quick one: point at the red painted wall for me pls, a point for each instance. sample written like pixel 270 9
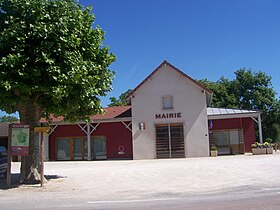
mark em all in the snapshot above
pixel 116 135
pixel 249 133
pixel 247 124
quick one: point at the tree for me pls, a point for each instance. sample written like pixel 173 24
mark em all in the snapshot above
pixel 249 90
pixel 52 61
pixel 254 91
pixel 273 122
pixel 222 93
pixel 8 119
pixel 121 100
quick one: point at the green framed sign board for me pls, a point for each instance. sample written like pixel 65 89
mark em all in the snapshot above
pixel 20 140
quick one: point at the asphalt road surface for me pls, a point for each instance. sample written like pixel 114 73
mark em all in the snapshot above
pixel 227 182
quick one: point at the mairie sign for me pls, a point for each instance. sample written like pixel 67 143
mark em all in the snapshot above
pixel 168 115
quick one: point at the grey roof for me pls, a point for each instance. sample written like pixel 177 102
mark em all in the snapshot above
pixel 225 111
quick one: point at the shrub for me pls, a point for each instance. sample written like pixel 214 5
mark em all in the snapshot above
pixel 268 140
pixel 213 148
pixel 257 145
pixel 266 145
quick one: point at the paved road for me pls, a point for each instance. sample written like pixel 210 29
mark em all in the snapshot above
pixel 228 182
pixel 266 199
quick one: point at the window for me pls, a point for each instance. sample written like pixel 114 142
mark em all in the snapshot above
pixel 167 102
pixel 228 141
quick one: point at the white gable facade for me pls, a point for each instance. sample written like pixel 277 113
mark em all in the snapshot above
pixel 169 112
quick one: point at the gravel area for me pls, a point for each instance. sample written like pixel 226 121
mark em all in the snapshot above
pixel 142 179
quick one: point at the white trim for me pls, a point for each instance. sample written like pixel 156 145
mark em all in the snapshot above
pixel 88 141
pixel 231 116
pixel 94 127
pixel 88 132
pixel 83 128
pixel 52 129
pixel 260 128
pixel 259 121
pixel 127 125
pixel 94 121
pixel 255 120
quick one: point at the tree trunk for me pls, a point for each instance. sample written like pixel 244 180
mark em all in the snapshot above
pixel 30 165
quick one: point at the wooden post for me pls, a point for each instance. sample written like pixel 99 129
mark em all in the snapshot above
pixel 9 158
pixel 42 131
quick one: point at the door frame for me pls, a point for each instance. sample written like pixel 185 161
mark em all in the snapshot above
pixel 170 137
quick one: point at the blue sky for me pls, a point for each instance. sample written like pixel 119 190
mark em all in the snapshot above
pixel 203 38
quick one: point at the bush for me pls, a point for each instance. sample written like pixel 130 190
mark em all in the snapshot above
pixel 257 145
pixel 268 140
pixel 213 148
pixel 266 145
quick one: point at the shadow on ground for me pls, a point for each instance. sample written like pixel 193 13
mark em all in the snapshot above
pixel 15 180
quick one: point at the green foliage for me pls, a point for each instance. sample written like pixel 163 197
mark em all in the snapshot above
pixel 259 145
pixel 249 90
pixel 266 145
pixel 275 131
pixel 254 90
pixel 223 96
pixel 51 55
pixel 213 148
pixel 268 140
pixel 121 101
pixel 8 118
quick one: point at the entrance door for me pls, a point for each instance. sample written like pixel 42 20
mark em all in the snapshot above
pixel 63 149
pixel 78 148
pixel 222 142
pixel 170 141
pixel 98 148
pixel 70 148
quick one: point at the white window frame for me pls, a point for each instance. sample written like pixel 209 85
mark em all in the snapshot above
pixel 169 104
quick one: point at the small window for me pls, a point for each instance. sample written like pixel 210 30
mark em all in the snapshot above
pixel 167 102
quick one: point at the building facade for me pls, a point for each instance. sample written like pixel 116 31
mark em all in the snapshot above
pixel 169 117
pixel 173 109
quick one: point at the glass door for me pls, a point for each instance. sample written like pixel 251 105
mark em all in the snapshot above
pixel 63 149
pixel 237 146
pixel 98 148
pixel 221 139
pixel 78 148
pixel 70 148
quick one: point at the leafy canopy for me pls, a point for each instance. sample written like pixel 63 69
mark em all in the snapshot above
pixel 51 55
pixel 121 101
pixel 8 118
